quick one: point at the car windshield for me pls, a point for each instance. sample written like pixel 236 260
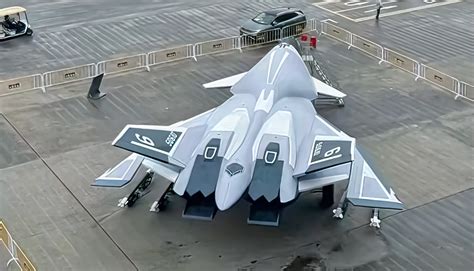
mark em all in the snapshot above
pixel 264 18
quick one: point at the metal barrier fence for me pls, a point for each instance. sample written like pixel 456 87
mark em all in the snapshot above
pixel 295 29
pixel 216 46
pixel 438 78
pixel 122 64
pixel 367 46
pixel 402 62
pixel 21 84
pixel 313 25
pixel 461 89
pixel 139 61
pixel 172 54
pixel 69 75
pixel 17 255
pixel 336 32
pixel 260 38
pixel 466 90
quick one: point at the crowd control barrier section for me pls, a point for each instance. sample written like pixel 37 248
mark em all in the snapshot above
pixel 17 255
pixel 122 64
pixel 260 38
pixel 69 75
pixel 21 84
pixel 402 62
pixel 172 54
pixel 466 90
pixel 336 32
pixel 438 78
pixel 312 25
pixel 295 29
pixel 367 46
pixel 216 46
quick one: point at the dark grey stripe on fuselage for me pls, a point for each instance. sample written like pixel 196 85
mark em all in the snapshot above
pixel 205 172
pixel 266 177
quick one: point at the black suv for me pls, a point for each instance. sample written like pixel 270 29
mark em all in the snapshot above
pixel 274 19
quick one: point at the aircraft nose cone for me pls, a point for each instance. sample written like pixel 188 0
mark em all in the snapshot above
pixel 222 192
pixel 230 189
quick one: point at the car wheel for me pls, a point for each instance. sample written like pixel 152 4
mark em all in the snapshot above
pixel 29 32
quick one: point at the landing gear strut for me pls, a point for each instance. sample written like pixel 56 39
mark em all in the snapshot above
pixel 341 209
pixel 328 196
pixel 375 221
pixel 163 200
pixel 340 102
pixel 138 191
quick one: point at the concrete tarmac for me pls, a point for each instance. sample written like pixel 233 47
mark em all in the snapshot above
pixel 53 145
pixel 415 135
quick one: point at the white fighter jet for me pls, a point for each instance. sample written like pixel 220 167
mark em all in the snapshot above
pixel 265 144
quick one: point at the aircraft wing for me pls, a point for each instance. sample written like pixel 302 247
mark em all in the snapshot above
pixel 165 149
pixel 328 156
pixel 327 90
pixel 365 188
pixel 225 82
pixel 125 171
pixel 320 87
pixel 121 174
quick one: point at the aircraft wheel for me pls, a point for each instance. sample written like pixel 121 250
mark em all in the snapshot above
pixel 162 206
pixel 340 103
pixel 145 184
pixel 132 199
pixel 328 196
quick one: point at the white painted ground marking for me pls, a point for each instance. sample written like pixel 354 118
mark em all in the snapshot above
pixel 350 4
pixel 331 11
pixel 388 7
pixel 386 14
pixel 329 20
pixel 406 10
pixel 349 9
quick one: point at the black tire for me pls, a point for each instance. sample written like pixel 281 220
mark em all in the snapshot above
pixel 132 200
pixel 328 196
pixel 164 203
pixel 340 103
pixel 145 184
pixel 29 32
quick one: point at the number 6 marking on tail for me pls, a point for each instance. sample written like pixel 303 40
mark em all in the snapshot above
pixel 331 152
pixel 145 140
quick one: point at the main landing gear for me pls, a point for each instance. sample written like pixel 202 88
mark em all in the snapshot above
pixel 375 221
pixel 140 190
pixel 341 209
pixel 143 187
pixel 162 201
pixel 328 196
